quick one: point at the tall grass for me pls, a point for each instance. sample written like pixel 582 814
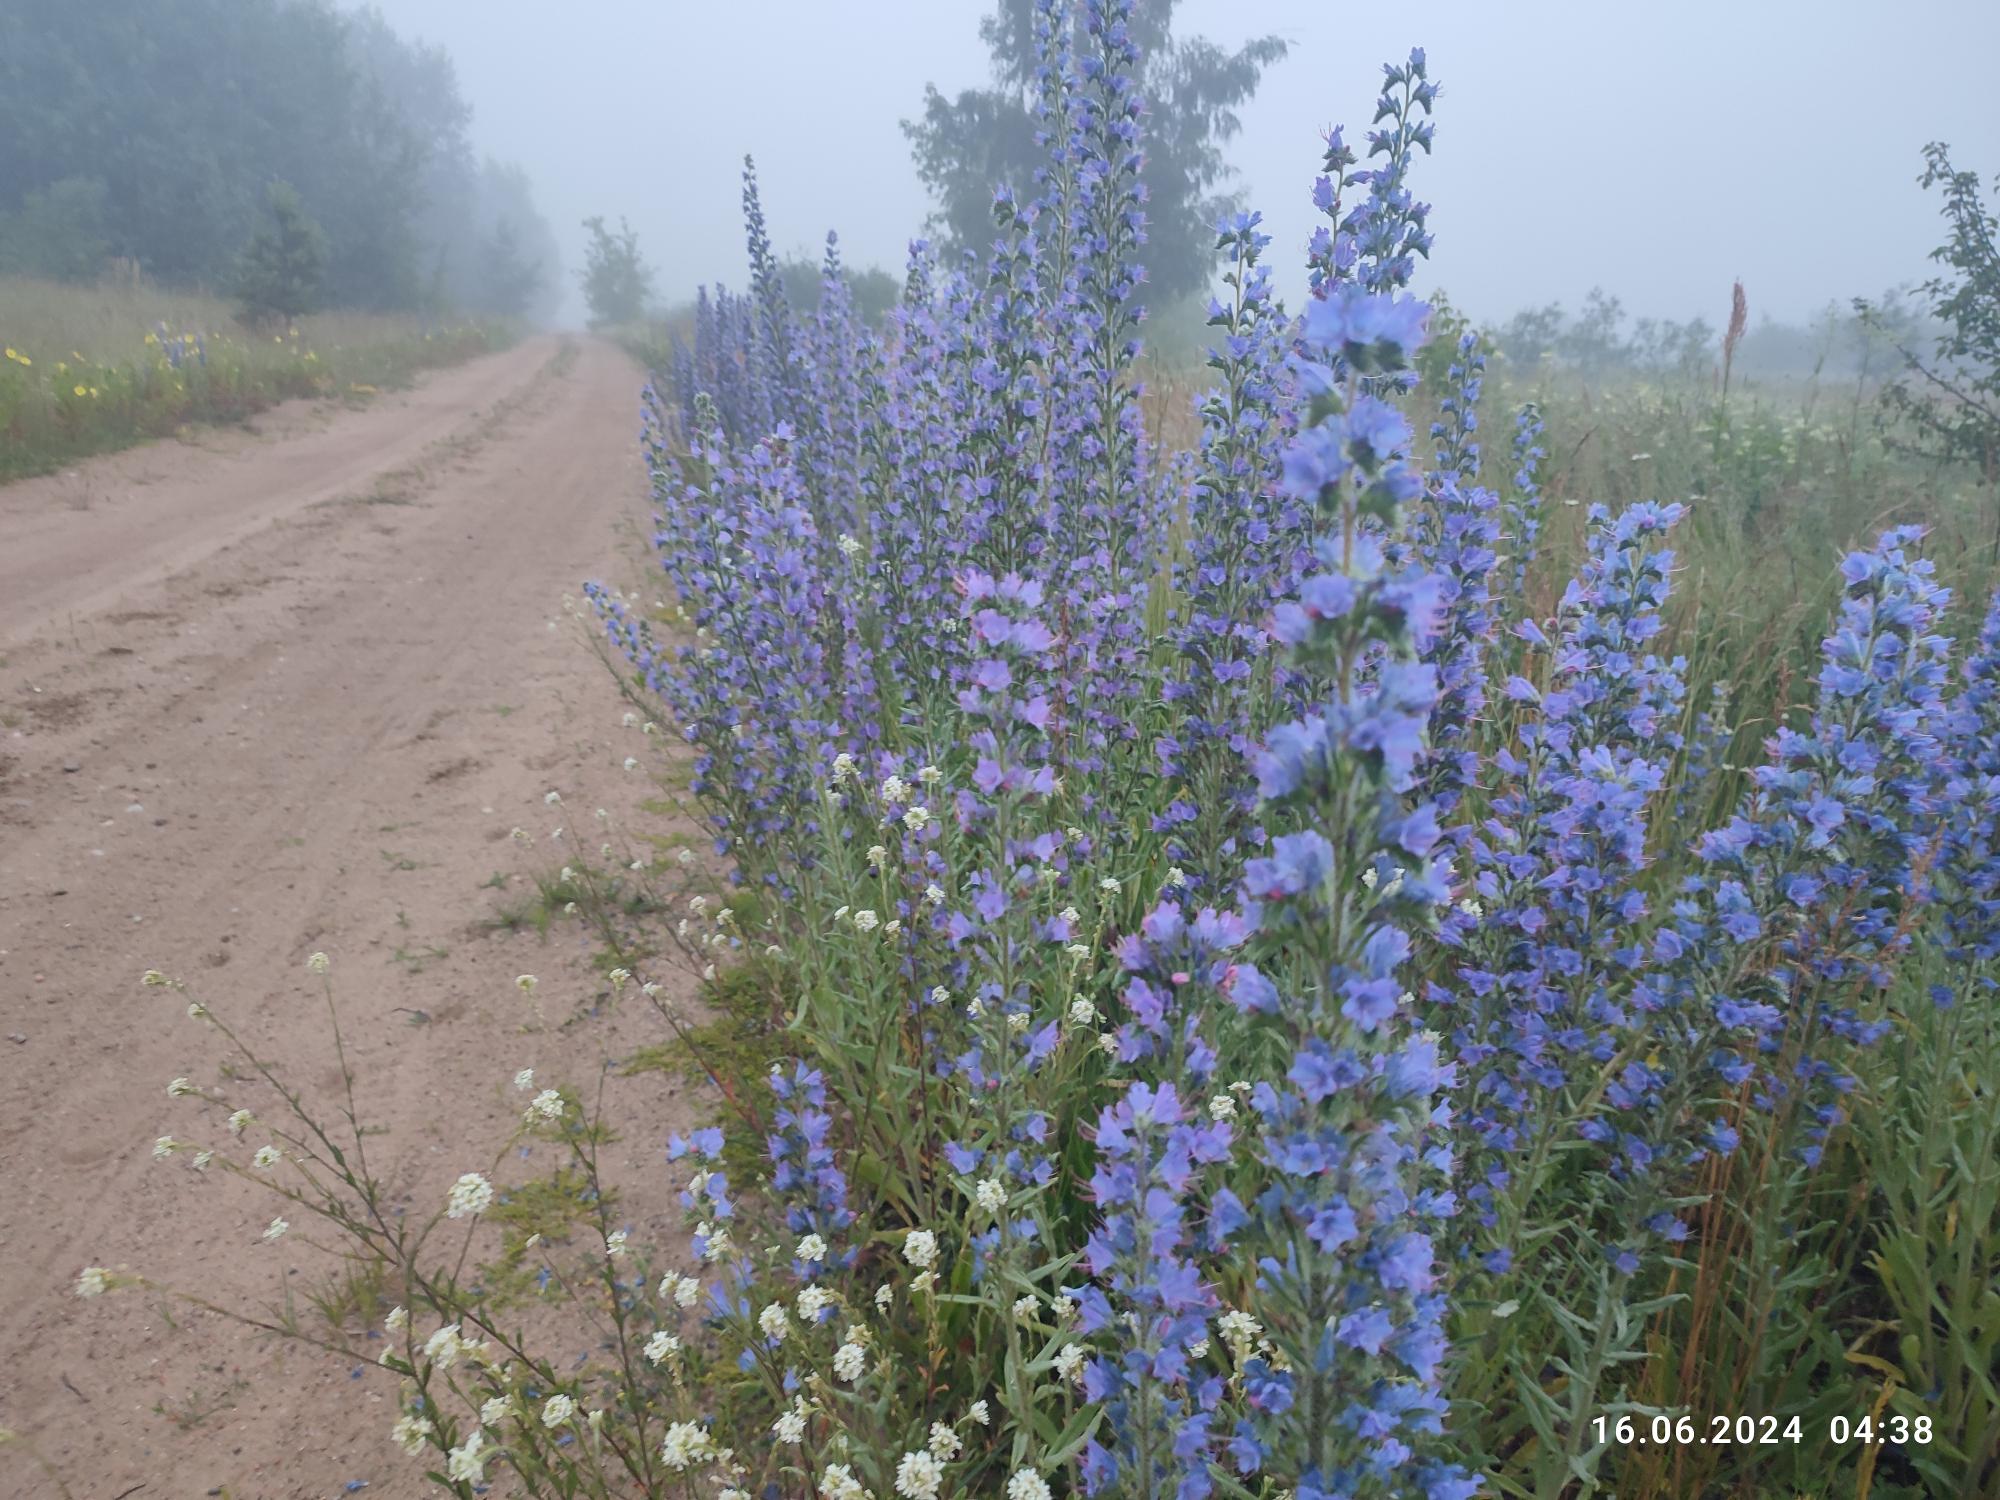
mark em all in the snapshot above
pixel 91 369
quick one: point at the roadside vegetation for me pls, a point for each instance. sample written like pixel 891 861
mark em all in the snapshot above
pixel 92 369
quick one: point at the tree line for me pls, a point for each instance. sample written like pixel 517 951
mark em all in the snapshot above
pixel 207 142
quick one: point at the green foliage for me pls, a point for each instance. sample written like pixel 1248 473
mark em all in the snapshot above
pixel 283 269
pixel 58 232
pixel 1193 89
pixel 616 279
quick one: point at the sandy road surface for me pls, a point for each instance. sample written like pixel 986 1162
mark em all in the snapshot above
pixel 262 695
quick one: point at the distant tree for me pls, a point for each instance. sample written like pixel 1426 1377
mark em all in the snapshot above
pixel 508 280
pixel 1950 396
pixel 616 280
pixel 1532 334
pixel 57 232
pixel 965 147
pixel 283 268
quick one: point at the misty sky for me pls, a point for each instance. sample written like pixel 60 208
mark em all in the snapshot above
pixel 1658 150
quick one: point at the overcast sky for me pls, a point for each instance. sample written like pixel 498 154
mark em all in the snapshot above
pixel 1658 150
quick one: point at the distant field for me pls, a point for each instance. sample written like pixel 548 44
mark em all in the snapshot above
pixel 90 369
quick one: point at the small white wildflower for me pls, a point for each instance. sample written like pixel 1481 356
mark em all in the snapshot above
pixel 944 1442
pixel 1026 1307
pixel 920 1248
pixel 849 1360
pixel 811 1248
pixel 1239 1330
pixel 791 1425
pixel 521 836
pixel 1081 1012
pixel 774 1322
pixel 154 979
pixel 1064 1308
pixel 1107 1043
pixel 843 767
pixel 866 921
pixel 397 1321
pixel 1070 915
pixel 884 1295
pixel 891 927
pixel 553 799
pixel 934 894
pixel 1110 885
pixel 466 1464
pixel 614 1243
pixel 1222 1107
pixel 319 963
pixel 547 1105
pixel 916 819
pixel 975 1007
pixel 93 1281
pixel 180 1088
pixel 494 1410
pixel 631 764
pixel 1069 1361
pixel 1176 876
pixel 470 1196
pixel 409 1434
pixel 849 547
pixel 526 983
pixel 1472 908
pixel 203 1159
pixel 977 1412
pixel 1026 1484
pixel 1017 1021
pixel 895 789
pixel 1369 878
pixel 277 1229
pixel 839 1483
pixel 708 971
pixel 929 775
pixel 268 1157
pixel 444 1347
pixel 939 994
pixel 631 720
pixel 923 1281
pixel 686 1444
pixel 1198 1349
pixel 661 1346
pixel 525 1079
pixel 990 1194
pixel 1078 950
pixel 197 1011
pixel 812 1301
pixel 919 1476
pixel 557 1410
pixel 166 1146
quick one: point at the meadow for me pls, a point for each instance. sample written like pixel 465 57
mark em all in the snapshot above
pixel 89 369
pixel 1423 931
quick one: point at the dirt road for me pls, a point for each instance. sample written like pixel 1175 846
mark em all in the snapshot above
pixel 263 695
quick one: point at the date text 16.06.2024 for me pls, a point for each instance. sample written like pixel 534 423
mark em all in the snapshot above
pixel 1661 1430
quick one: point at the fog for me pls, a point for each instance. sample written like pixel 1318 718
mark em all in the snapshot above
pixel 1659 151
